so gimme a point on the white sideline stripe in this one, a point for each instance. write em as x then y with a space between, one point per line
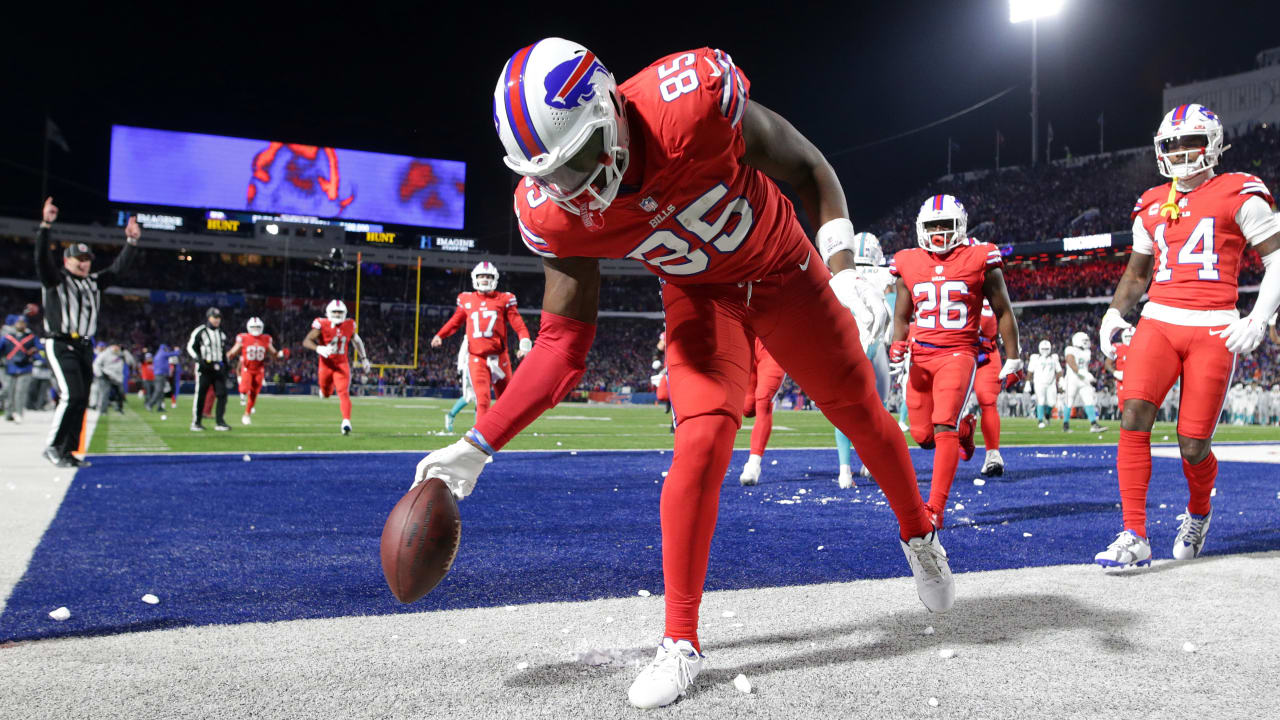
1253 452
1171 447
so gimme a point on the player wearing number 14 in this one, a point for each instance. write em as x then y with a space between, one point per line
484 315
1189 238
943 283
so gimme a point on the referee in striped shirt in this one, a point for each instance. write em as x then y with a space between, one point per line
72 298
208 345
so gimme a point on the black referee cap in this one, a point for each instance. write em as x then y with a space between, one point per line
213 312
76 250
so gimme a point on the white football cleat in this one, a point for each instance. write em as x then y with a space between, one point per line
928 560
1191 535
669 675
244 419
346 427
750 473
903 426
1126 551
448 423
1041 425
993 464
845 481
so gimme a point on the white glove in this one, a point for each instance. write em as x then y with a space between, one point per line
1244 335
655 380
526 344
364 363
1119 374
1111 322
324 351
1086 377
860 297
458 465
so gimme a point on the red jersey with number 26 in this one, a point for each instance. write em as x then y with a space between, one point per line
485 317
946 291
253 348
689 209
1198 255
337 337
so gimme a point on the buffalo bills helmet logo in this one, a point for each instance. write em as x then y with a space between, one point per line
1207 113
569 83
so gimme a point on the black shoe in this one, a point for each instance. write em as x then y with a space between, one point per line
222 427
197 427
77 462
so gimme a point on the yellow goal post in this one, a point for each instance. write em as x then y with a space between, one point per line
417 316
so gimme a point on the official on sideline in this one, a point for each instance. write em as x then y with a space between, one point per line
72 299
208 345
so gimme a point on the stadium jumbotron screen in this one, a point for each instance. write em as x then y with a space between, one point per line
162 167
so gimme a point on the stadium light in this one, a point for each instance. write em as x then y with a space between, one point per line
273 229
1033 10
1024 10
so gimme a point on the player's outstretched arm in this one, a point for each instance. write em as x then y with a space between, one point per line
358 344
778 150
235 349
46 266
455 321
548 373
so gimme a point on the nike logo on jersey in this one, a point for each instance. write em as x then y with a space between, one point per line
805 265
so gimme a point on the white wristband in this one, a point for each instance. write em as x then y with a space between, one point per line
834 236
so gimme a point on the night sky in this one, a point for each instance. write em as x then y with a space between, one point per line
420 82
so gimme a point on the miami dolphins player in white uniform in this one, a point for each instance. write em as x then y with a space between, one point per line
870 262
1044 368
1078 384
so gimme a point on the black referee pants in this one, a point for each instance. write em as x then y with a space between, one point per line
214 376
72 364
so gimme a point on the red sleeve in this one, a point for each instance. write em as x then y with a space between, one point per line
544 378
514 319
454 323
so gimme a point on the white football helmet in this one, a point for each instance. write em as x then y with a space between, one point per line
1126 335
557 112
941 209
484 277
336 311
1189 141
1080 340
254 326
866 250
1046 348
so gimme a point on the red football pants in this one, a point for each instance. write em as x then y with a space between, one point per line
250 386
1159 354
483 379
766 378
987 387
938 387
815 340
335 377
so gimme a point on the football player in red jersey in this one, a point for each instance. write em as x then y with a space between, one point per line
943 283
672 169
257 347
329 337
1120 357
486 313
987 386
766 377
1189 237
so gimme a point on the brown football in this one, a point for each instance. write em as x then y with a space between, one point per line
420 540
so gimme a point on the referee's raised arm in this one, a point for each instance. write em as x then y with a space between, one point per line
72 301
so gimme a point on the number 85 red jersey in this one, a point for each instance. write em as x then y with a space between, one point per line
689 209
946 291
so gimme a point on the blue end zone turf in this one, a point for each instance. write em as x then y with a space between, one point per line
284 537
